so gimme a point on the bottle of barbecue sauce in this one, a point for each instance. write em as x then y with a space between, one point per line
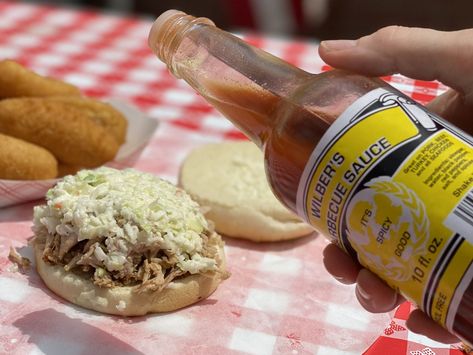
369 168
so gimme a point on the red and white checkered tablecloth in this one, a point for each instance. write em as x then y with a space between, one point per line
279 299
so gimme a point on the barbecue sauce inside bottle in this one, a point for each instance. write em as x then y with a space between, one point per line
388 181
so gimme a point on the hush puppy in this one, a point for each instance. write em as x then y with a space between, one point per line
63 129
20 160
17 81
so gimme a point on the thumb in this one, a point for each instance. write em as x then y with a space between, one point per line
414 52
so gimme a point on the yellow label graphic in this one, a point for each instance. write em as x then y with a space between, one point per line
328 181
394 186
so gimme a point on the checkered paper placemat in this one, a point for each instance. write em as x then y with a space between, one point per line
396 339
279 299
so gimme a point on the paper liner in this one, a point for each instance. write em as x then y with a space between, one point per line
140 130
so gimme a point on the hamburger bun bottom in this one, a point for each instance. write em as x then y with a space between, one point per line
124 300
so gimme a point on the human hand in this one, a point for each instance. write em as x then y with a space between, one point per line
376 296
420 54
417 53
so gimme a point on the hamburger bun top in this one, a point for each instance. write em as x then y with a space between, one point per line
229 178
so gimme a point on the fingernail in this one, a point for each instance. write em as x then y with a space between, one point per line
342 280
377 303
338 45
362 293
390 303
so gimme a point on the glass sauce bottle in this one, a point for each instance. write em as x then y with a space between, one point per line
354 157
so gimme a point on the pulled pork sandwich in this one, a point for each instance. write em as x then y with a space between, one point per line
125 242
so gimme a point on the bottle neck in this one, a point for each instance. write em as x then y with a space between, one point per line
167 33
244 83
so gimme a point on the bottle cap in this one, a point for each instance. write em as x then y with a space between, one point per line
159 25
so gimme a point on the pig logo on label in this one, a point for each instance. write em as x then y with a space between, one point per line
388 227
414 111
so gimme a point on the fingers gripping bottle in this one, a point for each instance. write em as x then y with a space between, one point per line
369 168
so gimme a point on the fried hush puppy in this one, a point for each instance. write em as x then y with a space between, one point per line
20 160
61 128
99 112
17 81
64 169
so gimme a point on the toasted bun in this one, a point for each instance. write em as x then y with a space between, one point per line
125 301
229 178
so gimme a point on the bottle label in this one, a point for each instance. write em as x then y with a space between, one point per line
393 184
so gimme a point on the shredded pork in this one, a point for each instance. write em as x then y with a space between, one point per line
149 267
22 262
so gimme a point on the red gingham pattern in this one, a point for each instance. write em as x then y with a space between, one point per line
279 298
396 339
